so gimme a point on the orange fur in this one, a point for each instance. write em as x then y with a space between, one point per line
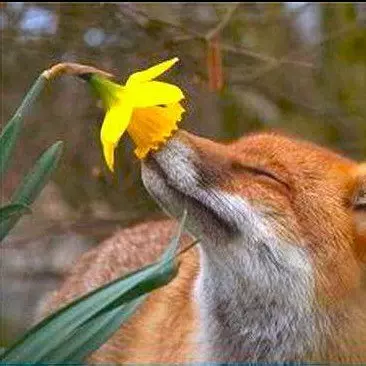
315 192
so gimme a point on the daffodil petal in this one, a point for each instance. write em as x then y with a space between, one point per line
114 125
116 122
108 151
151 73
154 93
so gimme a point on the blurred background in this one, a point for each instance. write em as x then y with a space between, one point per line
299 68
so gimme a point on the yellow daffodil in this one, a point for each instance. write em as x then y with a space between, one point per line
149 110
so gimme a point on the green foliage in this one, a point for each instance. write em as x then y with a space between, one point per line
34 182
73 332
31 186
6 212
81 327
11 131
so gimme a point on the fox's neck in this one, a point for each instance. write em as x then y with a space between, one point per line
261 312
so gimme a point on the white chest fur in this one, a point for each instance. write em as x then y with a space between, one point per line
255 297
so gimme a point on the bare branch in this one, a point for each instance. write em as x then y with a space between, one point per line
274 94
223 23
283 60
190 35
135 13
263 57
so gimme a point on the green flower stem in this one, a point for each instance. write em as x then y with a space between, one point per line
11 131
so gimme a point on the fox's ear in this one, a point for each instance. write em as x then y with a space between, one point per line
359 207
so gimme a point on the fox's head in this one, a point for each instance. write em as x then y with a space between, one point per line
281 222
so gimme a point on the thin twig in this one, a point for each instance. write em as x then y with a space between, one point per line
191 35
180 27
275 94
278 63
263 57
223 23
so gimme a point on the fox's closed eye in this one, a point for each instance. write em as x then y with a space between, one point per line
240 167
360 200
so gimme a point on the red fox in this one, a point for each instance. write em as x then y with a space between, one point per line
278 273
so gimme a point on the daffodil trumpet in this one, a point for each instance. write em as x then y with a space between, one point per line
148 109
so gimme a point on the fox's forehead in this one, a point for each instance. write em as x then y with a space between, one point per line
293 154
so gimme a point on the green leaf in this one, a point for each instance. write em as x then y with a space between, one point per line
93 334
11 131
7 142
33 183
13 209
79 328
